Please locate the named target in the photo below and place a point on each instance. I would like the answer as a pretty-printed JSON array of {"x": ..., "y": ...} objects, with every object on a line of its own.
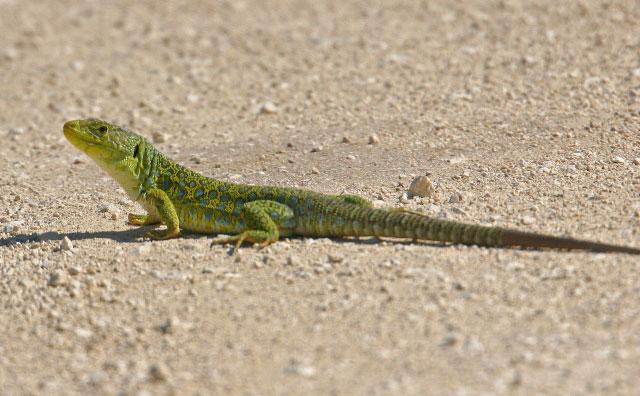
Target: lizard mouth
[{"x": 77, "y": 136}]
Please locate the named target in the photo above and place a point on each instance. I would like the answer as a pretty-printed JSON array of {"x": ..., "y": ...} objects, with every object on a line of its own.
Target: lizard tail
[{"x": 400, "y": 224}]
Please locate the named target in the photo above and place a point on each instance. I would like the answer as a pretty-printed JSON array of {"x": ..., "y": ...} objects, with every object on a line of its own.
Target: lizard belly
[{"x": 208, "y": 220}]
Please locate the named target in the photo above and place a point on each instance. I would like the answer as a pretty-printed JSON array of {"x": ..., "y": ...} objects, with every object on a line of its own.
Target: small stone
[
  {"x": 316, "y": 149},
  {"x": 334, "y": 258},
  {"x": 351, "y": 157},
  {"x": 77, "y": 65},
  {"x": 107, "y": 208},
  {"x": 636, "y": 161},
  {"x": 193, "y": 98},
  {"x": 528, "y": 220},
  {"x": 66, "y": 244},
  {"x": 374, "y": 139},
  {"x": 268, "y": 108},
  {"x": 455, "y": 198},
  {"x": 298, "y": 368},
  {"x": 315, "y": 170},
  {"x": 56, "y": 279},
  {"x": 158, "y": 372},
  {"x": 10, "y": 53},
  {"x": 421, "y": 186},
  {"x": 169, "y": 326},
  {"x": 74, "y": 270},
  {"x": 12, "y": 226},
  {"x": 140, "y": 250},
  {"x": 346, "y": 139},
  {"x": 618, "y": 160},
  {"x": 159, "y": 137}
]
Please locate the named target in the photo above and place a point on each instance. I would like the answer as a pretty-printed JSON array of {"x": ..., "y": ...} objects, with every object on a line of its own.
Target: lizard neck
[{"x": 136, "y": 176}]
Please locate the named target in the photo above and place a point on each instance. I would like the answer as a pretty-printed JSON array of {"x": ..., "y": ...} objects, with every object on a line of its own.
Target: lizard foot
[{"x": 249, "y": 236}]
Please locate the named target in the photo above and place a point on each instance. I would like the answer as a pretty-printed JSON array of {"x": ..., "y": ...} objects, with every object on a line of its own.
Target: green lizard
[{"x": 185, "y": 200}]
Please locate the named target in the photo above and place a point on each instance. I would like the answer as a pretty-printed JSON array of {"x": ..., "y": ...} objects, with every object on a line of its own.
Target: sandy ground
[{"x": 525, "y": 116}]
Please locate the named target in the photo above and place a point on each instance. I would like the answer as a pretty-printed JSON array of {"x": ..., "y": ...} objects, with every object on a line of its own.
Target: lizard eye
[
  {"x": 136, "y": 151},
  {"x": 102, "y": 129}
]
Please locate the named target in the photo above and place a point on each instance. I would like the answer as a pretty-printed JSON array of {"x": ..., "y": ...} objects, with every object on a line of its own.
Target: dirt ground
[{"x": 523, "y": 115}]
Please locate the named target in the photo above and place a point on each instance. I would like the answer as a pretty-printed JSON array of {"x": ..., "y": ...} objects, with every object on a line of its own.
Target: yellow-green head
[{"x": 117, "y": 150}]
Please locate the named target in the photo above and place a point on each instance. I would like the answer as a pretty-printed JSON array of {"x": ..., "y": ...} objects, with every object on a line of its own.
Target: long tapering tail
[{"x": 403, "y": 224}]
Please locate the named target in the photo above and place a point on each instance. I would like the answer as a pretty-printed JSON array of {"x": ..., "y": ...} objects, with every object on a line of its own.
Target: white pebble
[
  {"x": 421, "y": 186},
  {"x": 528, "y": 220},
  {"x": 618, "y": 160},
  {"x": 66, "y": 244},
  {"x": 268, "y": 108},
  {"x": 193, "y": 98},
  {"x": 12, "y": 226},
  {"x": 374, "y": 139},
  {"x": 140, "y": 250}
]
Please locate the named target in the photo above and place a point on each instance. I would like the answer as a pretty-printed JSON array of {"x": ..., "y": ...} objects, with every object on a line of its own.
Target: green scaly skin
[{"x": 185, "y": 200}]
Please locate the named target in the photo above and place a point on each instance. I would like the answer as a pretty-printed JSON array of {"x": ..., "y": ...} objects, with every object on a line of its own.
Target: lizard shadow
[
  {"x": 125, "y": 236},
  {"x": 135, "y": 235}
]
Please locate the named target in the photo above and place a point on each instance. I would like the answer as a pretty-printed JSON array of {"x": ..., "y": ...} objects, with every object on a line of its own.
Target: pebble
[
  {"x": 169, "y": 326},
  {"x": 140, "y": 250},
  {"x": 193, "y": 98},
  {"x": 268, "y": 108},
  {"x": 346, "y": 139},
  {"x": 74, "y": 270},
  {"x": 421, "y": 186},
  {"x": 351, "y": 157},
  {"x": 158, "y": 372},
  {"x": 315, "y": 170},
  {"x": 455, "y": 198},
  {"x": 159, "y": 137},
  {"x": 66, "y": 244},
  {"x": 300, "y": 369},
  {"x": 12, "y": 226},
  {"x": 618, "y": 160},
  {"x": 528, "y": 220},
  {"x": 636, "y": 161},
  {"x": 56, "y": 279},
  {"x": 10, "y": 53},
  {"x": 374, "y": 139}
]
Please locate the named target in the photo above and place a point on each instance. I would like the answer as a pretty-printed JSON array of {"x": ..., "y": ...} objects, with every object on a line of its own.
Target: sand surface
[{"x": 523, "y": 115}]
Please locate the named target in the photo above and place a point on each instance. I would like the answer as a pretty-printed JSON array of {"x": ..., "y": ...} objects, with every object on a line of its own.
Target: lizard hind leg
[{"x": 263, "y": 220}]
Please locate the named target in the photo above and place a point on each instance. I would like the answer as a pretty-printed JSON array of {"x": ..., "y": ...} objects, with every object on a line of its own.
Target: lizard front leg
[{"x": 166, "y": 213}]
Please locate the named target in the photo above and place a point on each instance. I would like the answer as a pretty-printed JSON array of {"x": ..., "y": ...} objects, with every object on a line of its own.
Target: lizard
[{"x": 183, "y": 199}]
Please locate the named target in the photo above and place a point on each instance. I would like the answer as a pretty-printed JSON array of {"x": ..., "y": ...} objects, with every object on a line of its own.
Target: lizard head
[{"x": 116, "y": 150}]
